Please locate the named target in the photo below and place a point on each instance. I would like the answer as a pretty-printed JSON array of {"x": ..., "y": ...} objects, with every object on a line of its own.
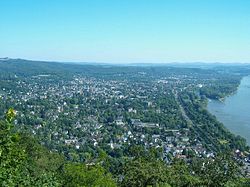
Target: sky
[{"x": 126, "y": 31}]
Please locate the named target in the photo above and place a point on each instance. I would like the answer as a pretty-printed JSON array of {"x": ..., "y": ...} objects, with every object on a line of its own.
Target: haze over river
[{"x": 234, "y": 112}]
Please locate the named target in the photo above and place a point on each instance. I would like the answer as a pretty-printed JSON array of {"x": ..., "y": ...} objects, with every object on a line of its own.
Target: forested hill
[{"x": 29, "y": 67}]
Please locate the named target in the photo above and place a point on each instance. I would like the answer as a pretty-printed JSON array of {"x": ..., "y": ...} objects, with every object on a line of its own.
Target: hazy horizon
[
  {"x": 126, "y": 32},
  {"x": 128, "y": 63}
]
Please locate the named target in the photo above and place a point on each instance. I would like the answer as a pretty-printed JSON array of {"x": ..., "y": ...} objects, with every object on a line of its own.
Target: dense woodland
[{"x": 127, "y": 126}]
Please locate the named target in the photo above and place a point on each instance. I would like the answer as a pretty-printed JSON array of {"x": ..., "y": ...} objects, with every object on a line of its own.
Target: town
[{"x": 79, "y": 114}]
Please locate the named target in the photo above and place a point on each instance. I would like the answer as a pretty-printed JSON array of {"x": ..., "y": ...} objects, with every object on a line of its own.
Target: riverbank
[{"x": 234, "y": 110}]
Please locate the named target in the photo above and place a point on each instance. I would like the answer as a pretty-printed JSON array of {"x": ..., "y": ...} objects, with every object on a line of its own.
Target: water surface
[{"x": 234, "y": 112}]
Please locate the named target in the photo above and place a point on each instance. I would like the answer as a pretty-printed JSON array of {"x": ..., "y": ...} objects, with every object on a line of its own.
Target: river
[{"x": 234, "y": 112}]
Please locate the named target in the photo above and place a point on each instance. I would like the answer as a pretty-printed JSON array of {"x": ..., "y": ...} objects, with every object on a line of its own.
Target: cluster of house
[{"x": 49, "y": 100}]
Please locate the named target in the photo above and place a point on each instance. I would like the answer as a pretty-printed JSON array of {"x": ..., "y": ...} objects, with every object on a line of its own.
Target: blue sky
[{"x": 126, "y": 31}]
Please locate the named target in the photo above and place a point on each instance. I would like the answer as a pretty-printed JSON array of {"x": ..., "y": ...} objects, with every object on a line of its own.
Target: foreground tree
[
  {"x": 11, "y": 158},
  {"x": 218, "y": 171},
  {"x": 142, "y": 172},
  {"x": 180, "y": 175},
  {"x": 77, "y": 174}
]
